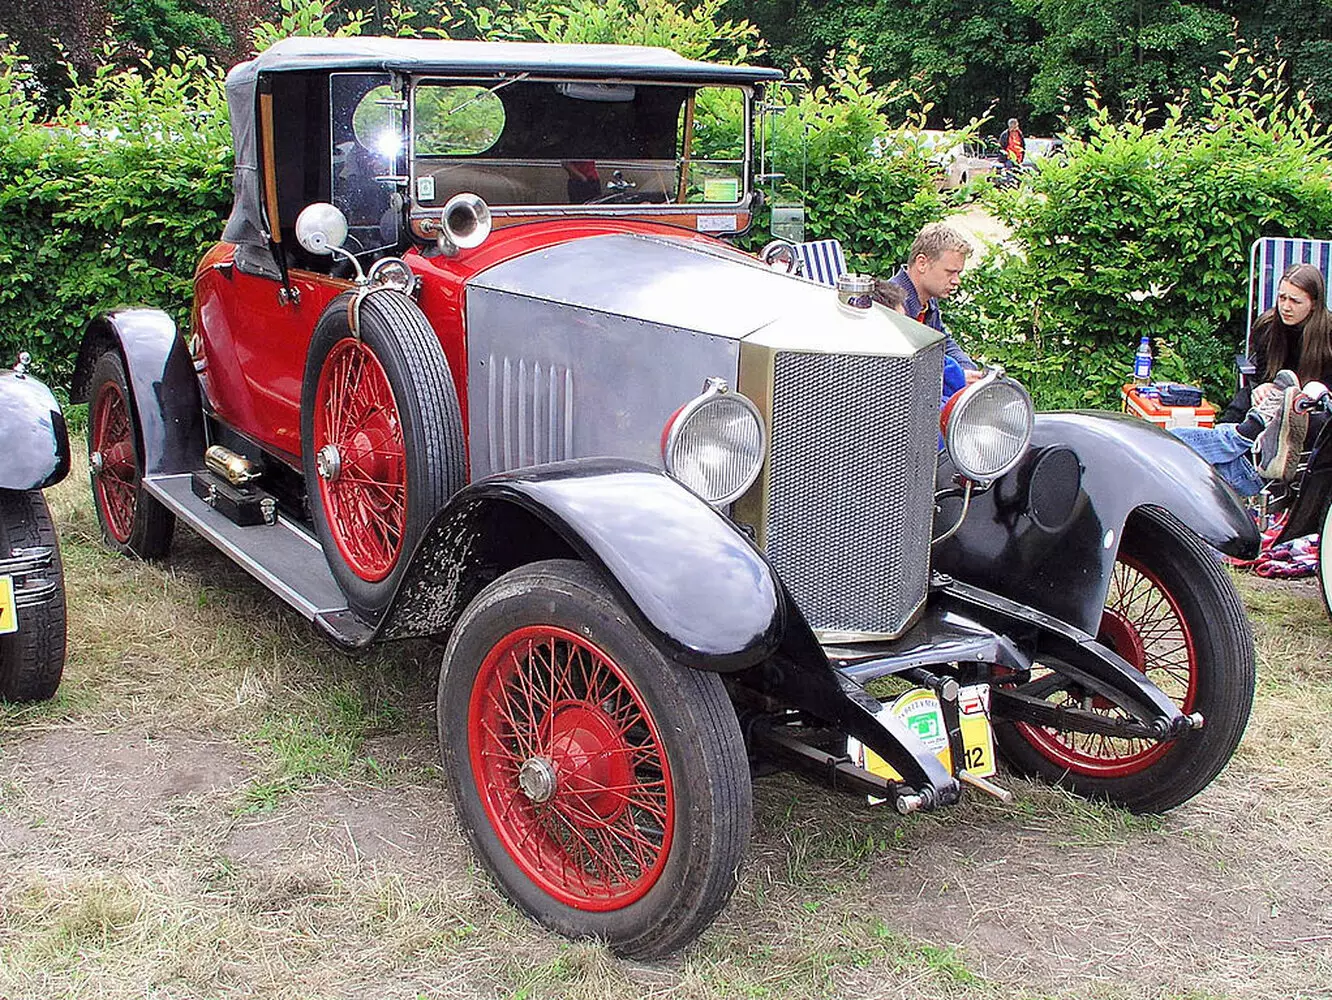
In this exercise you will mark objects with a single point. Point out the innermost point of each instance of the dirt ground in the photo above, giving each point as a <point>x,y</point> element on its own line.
<point>148,849</point>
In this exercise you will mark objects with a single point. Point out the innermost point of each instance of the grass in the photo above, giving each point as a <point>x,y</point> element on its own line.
<point>218,804</point>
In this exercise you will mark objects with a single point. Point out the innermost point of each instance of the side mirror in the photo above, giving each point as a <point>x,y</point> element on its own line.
<point>321,228</point>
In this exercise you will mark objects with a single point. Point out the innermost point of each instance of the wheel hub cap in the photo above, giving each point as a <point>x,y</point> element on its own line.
<point>537,779</point>
<point>95,463</point>
<point>328,462</point>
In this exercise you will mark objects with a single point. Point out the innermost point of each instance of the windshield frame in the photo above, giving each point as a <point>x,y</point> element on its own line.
<point>494,82</point>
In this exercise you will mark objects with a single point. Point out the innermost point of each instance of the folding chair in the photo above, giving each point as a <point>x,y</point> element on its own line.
<point>821,261</point>
<point>1270,258</point>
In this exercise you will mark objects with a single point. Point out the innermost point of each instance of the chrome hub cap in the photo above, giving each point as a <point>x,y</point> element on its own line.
<point>328,463</point>
<point>95,463</point>
<point>536,779</point>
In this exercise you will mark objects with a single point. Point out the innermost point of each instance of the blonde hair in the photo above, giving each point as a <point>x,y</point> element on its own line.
<point>935,240</point>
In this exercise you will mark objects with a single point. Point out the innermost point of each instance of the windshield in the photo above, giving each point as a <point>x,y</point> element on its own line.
<point>538,143</point>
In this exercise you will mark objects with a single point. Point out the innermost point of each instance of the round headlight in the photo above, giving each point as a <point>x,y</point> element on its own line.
<point>986,427</point>
<point>715,444</point>
<point>392,272</point>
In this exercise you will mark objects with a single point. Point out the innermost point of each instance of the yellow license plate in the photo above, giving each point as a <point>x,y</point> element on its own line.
<point>8,609</point>
<point>918,709</point>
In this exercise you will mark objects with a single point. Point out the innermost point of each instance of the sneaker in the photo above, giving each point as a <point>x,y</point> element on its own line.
<point>1261,415</point>
<point>1282,440</point>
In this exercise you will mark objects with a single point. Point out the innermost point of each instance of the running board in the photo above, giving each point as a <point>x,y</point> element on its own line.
<point>283,556</point>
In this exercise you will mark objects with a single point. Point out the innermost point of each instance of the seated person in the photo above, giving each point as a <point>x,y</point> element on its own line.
<point>1260,434</point>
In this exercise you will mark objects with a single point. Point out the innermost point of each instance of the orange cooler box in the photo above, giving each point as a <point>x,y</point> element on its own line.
<point>1202,415</point>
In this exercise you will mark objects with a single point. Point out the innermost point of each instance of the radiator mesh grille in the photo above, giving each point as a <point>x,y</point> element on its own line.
<point>851,485</point>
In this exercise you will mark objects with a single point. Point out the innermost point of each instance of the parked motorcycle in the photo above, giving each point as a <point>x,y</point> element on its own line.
<point>32,589</point>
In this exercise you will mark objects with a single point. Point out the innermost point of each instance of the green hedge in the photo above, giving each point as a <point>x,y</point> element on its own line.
<point>109,204</point>
<point>1133,231</point>
<point>1147,231</point>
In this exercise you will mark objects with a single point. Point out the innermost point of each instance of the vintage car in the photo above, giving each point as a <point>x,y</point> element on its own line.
<point>474,360</point>
<point>32,587</point>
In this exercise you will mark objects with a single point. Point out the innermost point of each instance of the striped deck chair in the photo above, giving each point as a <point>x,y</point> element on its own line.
<point>821,261</point>
<point>1269,258</point>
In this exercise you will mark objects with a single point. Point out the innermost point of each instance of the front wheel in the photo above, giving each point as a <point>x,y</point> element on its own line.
<point>1172,612</point>
<point>32,644</point>
<point>605,788</point>
<point>1325,561</point>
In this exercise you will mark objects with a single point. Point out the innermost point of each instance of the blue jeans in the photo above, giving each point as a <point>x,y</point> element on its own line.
<point>1228,452</point>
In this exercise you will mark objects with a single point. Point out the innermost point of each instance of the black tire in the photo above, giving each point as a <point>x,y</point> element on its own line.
<point>426,440</point>
<point>1173,612</point>
<point>1325,560</point>
<point>33,658</point>
<point>675,726</point>
<point>133,523</point>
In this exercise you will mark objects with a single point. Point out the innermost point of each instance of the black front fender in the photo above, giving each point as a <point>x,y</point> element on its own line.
<point>1062,565</point>
<point>32,434</point>
<point>688,577</point>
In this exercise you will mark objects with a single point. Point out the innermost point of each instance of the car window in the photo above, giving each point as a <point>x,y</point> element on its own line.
<point>570,142</point>
<point>456,120</point>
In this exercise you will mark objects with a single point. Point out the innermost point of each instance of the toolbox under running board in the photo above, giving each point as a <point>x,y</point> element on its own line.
<point>283,556</point>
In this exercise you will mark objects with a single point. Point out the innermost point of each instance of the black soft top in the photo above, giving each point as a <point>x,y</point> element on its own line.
<point>445,58</point>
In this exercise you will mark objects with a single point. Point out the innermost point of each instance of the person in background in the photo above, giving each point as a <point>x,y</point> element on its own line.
<point>932,272</point>
<point>1292,345</point>
<point>1011,144</point>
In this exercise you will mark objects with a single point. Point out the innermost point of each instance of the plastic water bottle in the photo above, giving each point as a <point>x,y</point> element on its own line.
<point>1142,362</point>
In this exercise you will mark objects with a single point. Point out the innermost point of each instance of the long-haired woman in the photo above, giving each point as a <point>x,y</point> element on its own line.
<point>1292,345</point>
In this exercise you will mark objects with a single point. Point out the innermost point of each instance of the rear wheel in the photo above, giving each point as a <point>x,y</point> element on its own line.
<point>32,658</point>
<point>381,431</point>
<point>1172,612</point>
<point>605,788</point>
<point>133,522</point>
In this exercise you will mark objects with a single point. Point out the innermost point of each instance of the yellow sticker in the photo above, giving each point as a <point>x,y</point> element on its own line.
<point>8,610</point>
<point>919,711</point>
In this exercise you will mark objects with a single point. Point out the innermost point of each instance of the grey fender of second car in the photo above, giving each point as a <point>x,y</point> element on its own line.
<point>687,576</point>
<point>34,446</point>
<point>1064,570</point>
<point>163,385</point>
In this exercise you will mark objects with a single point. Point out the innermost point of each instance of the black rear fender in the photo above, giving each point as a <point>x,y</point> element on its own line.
<point>164,389</point>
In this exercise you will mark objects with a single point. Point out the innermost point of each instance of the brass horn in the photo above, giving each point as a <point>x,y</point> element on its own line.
<point>464,223</point>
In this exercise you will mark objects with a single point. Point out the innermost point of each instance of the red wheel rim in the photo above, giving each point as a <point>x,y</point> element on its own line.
<point>1144,624</point>
<point>570,769</point>
<point>365,502</point>
<point>116,482</point>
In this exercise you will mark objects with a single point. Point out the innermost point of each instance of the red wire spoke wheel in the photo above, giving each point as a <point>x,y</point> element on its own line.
<point>358,434</point>
<point>133,522</point>
<point>605,787</point>
<point>574,778</point>
<point>1172,612</point>
<point>381,441</point>
<point>117,475</point>
<point>1145,625</point>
